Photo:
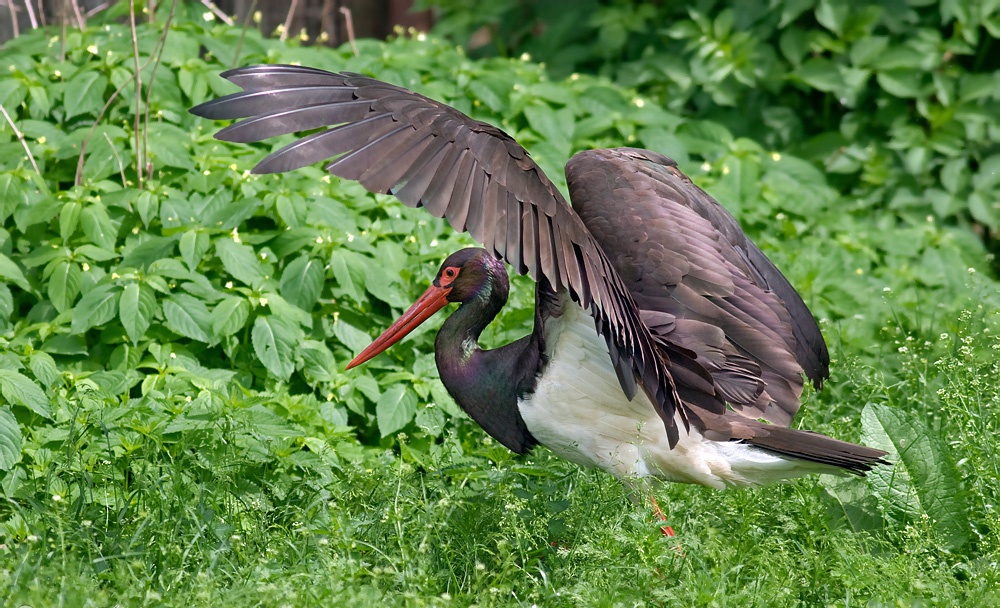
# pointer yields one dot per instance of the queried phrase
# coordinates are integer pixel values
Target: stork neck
(487, 383)
(459, 335)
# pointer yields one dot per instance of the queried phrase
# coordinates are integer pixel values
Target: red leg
(658, 512)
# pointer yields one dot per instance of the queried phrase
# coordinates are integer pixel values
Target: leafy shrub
(896, 101)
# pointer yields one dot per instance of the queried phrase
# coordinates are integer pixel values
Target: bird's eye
(450, 272)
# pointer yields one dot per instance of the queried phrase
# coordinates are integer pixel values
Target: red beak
(433, 300)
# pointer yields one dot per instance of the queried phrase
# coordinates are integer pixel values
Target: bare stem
(80, 21)
(114, 152)
(62, 30)
(13, 18)
(218, 12)
(97, 121)
(20, 137)
(100, 7)
(31, 13)
(288, 19)
(139, 164)
(349, 22)
(243, 33)
(149, 87)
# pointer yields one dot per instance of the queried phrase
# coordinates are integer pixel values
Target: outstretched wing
(700, 286)
(431, 155)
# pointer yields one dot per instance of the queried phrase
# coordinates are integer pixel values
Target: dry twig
(349, 22)
(139, 160)
(100, 7)
(288, 19)
(13, 18)
(81, 22)
(217, 12)
(31, 14)
(149, 88)
(20, 137)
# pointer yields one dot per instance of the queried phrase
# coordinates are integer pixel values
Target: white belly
(578, 411)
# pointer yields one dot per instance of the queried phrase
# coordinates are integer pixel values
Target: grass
(474, 525)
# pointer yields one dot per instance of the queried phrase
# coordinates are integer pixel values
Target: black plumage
(691, 311)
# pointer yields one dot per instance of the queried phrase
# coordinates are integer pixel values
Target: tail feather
(814, 447)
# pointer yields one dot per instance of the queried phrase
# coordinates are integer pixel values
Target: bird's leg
(658, 512)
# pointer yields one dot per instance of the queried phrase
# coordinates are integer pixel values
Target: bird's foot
(665, 529)
(658, 512)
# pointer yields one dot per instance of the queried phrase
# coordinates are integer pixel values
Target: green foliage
(896, 101)
(175, 423)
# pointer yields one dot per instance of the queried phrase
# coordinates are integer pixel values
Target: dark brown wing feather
(700, 285)
(428, 154)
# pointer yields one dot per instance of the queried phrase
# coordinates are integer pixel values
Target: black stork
(666, 346)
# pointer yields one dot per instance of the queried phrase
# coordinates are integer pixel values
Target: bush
(896, 102)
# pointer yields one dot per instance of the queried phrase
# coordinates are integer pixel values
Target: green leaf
(64, 285)
(821, 74)
(555, 126)
(902, 82)
(302, 282)
(188, 316)
(148, 206)
(832, 14)
(95, 253)
(19, 389)
(923, 480)
(145, 253)
(96, 307)
(6, 302)
(491, 93)
(106, 155)
(395, 409)
(194, 244)
(229, 316)
(97, 226)
(10, 440)
(36, 212)
(977, 86)
(351, 337)
(704, 137)
(985, 209)
(281, 308)
(317, 361)
(273, 342)
(84, 93)
(136, 309)
(9, 271)
(239, 261)
(172, 149)
(69, 219)
(43, 366)
(339, 263)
